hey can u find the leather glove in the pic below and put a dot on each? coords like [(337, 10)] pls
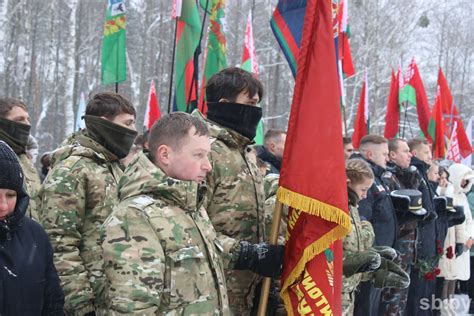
[(90, 314), (391, 275), (459, 249), (386, 252), (263, 259), (358, 262)]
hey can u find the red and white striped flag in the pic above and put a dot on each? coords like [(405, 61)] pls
[(453, 149)]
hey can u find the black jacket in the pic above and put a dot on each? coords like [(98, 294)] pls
[(29, 283), (273, 161), (427, 231), (378, 209)]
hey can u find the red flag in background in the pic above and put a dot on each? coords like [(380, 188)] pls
[(436, 128), (414, 93), (152, 112), (362, 121), (318, 216), (451, 116), (392, 117), (344, 33)]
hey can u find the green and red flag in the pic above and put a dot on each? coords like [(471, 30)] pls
[(414, 93), (152, 113), (451, 116), (187, 41), (362, 121), (436, 128), (392, 117), (114, 64), (249, 63), (215, 58), (344, 48), (318, 216)]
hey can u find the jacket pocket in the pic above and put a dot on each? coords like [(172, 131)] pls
[(187, 277)]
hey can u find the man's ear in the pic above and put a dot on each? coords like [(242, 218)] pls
[(348, 180), (391, 155), (413, 153), (369, 153), (163, 155)]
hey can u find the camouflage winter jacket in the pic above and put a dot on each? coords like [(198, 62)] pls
[(235, 203), (161, 252), (76, 197), (271, 187), (361, 238), (32, 185)]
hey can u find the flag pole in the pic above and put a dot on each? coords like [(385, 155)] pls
[(170, 92), (197, 52), (116, 87), (262, 307)]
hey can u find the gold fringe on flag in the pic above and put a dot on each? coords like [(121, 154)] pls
[(309, 253), (314, 207)]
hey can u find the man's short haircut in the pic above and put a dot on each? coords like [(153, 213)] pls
[(230, 82), (109, 105), (172, 129), (346, 140), (368, 140), (416, 142), (273, 135), (394, 143), (7, 104)]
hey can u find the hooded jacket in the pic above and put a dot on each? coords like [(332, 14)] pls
[(76, 197), (161, 252), (235, 203), (458, 268), (29, 283)]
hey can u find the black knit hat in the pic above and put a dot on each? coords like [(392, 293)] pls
[(11, 175)]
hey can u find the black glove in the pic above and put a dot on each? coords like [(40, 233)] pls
[(90, 314), (459, 249), (263, 259)]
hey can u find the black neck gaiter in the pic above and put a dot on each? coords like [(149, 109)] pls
[(14, 134), (115, 138), (241, 118)]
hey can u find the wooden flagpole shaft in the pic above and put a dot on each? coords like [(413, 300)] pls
[(262, 307)]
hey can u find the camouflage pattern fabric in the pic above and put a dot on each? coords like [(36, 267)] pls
[(32, 185), (235, 205), (76, 198), (271, 187), (361, 238), (161, 252)]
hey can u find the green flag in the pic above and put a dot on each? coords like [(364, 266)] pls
[(189, 31), (216, 58), (114, 66)]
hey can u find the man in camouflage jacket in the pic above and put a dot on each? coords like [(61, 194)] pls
[(14, 130), (236, 193), (78, 194), (162, 254)]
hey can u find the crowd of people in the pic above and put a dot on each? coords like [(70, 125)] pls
[(175, 221)]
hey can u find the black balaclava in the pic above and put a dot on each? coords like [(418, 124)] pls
[(15, 134), (115, 138), (242, 118)]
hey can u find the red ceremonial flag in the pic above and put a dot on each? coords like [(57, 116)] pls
[(436, 128), (152, 112), (451, 116), (392, 117), (414, 93), (453, 150), (362, 121), (318, 216)]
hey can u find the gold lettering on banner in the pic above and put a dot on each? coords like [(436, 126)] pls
[(315, 293)]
